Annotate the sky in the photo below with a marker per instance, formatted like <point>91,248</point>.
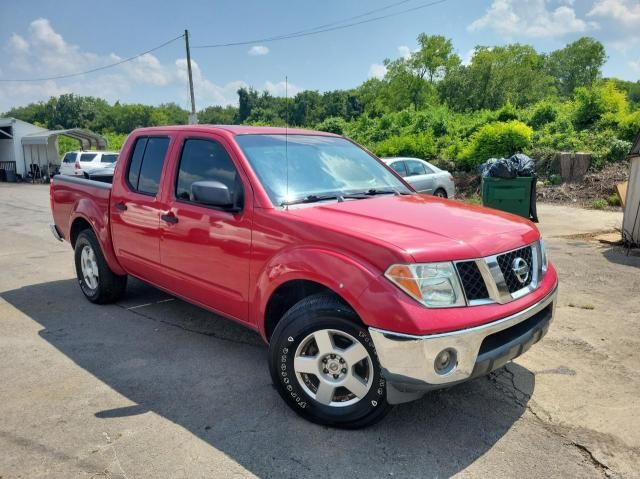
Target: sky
<point>44,38</point>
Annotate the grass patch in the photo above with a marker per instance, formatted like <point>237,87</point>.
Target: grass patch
<point>599,204</point>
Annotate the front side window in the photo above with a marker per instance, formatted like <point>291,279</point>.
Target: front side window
<point>297,166</point>
<point>415,168</point>
<point>86,157</point>
<point>145,167</point>
<point>399,168</point>
<point>205,160</point>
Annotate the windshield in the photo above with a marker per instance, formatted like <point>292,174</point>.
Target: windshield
<point>318,166</point>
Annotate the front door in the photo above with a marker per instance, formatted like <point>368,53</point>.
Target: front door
<point>205,250</point>
<point>136,209</point>
<point>418,177</point>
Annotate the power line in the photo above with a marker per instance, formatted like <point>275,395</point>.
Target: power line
<point>318,30</point>
<point>104,67</point>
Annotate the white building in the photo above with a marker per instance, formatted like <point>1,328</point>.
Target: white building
<point>23,145</point>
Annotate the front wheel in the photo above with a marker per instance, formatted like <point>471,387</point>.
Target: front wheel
<point>325,367</point>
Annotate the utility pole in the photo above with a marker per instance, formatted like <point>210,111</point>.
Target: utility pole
<point>193,117</point>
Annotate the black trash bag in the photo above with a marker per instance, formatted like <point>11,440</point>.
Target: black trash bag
<point>486,166</point>
<point>524,165</point>
<point>499,168</point>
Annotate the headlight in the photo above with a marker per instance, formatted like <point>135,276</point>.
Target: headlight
<point>435,285</point>
<point>545,260</point>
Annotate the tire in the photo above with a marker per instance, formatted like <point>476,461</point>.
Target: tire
<point>310,393</point>
<point>103,287</point>
<point>440,193</point>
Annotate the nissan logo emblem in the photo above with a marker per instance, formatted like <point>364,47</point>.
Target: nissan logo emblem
<point>521,269</point>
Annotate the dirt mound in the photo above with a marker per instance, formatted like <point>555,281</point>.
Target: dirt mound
<point>596,185</point>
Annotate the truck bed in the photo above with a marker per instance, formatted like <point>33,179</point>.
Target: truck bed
<point>73,196</point>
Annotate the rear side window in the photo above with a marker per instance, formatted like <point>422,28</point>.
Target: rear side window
<point>85,157</point>
<point>205,160</point>
<point>146,164</point>
<point>415,168</point>
<point>428,169</point>
<point>109,158</point>
<point>399,168</point>
<point>69,158</point>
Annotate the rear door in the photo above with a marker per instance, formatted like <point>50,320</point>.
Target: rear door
<point>205,250</point>
<point>136,208</point>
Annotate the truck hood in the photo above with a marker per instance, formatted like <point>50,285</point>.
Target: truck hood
<point>425,227</point>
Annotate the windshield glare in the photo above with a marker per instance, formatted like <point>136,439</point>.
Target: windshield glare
<point>317,165</point>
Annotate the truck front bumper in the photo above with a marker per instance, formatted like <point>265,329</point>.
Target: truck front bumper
<point>413,365</point>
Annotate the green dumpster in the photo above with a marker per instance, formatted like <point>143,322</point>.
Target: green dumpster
<point>513,195</point>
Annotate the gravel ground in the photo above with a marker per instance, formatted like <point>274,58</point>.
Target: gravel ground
<point>154,387</point>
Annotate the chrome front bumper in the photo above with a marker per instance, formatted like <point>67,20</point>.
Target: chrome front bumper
<point>410,360</point>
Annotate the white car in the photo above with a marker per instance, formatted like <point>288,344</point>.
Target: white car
<point>423,176</point>
<point>76,163</point>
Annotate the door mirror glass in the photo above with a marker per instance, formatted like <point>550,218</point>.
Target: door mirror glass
<point>212,193</point>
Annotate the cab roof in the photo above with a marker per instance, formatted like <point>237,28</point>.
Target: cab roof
<point>240,130</point>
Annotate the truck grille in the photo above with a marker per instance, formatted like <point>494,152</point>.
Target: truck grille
<point>492,279</point>
<point>472,282</point>
<point>505,261</point>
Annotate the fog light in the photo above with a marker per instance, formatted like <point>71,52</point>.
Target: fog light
<point>446,361</point>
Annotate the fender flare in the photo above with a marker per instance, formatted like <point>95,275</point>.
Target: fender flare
<point>344,275</point>
<point>88,211</point>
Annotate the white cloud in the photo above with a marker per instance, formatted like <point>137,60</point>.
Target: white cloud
<point>376,70</point>
<point>635,65</point>
<point>531,18</point>
<point>43,52</point>
<point>404,51</point>
<point>18,43</point>
<point>625,12</point>
<point>279,88</point>
<point>466,59</point>
<point>257,50</point>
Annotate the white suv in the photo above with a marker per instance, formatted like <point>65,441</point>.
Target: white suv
<point>75,163</point>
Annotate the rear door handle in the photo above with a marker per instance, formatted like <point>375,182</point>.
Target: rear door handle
<point>169,218</point>
<point>120,206</point>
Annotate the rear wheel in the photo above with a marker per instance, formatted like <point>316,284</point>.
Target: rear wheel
<point>440,193</point>
<point>325,367</point>
<point>98,283</point>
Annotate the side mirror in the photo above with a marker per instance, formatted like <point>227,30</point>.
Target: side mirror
<point>212,193</point>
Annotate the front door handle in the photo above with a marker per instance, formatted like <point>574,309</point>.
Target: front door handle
<point>169,218</point>
<point>120,206</point>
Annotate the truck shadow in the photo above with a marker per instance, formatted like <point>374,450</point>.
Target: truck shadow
<point>210,376</point>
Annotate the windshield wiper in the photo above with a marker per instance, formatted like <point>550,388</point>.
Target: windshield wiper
<point>312,199</point>
<point>369,193</point>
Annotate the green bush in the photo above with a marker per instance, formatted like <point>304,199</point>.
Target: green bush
<point>499,139</point>
<point>613,199</point>
<point>591,104</point>
<point>332,124</point>
<point>599,203</point>
<point>419,146</point>
<point>630,126</point>
<point>543,113</point>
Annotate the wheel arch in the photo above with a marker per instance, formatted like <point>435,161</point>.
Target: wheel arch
<point>81,222</point>
<point>298,273</point>
<point>289,293</point>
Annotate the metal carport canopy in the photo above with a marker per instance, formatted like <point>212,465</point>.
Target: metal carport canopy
<point>87,138</point>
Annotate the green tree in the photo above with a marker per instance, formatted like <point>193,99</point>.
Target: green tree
<point>578,64</point>
<point>514,73</point>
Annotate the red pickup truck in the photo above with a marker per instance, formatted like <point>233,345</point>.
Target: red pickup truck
<point>367,293</point>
